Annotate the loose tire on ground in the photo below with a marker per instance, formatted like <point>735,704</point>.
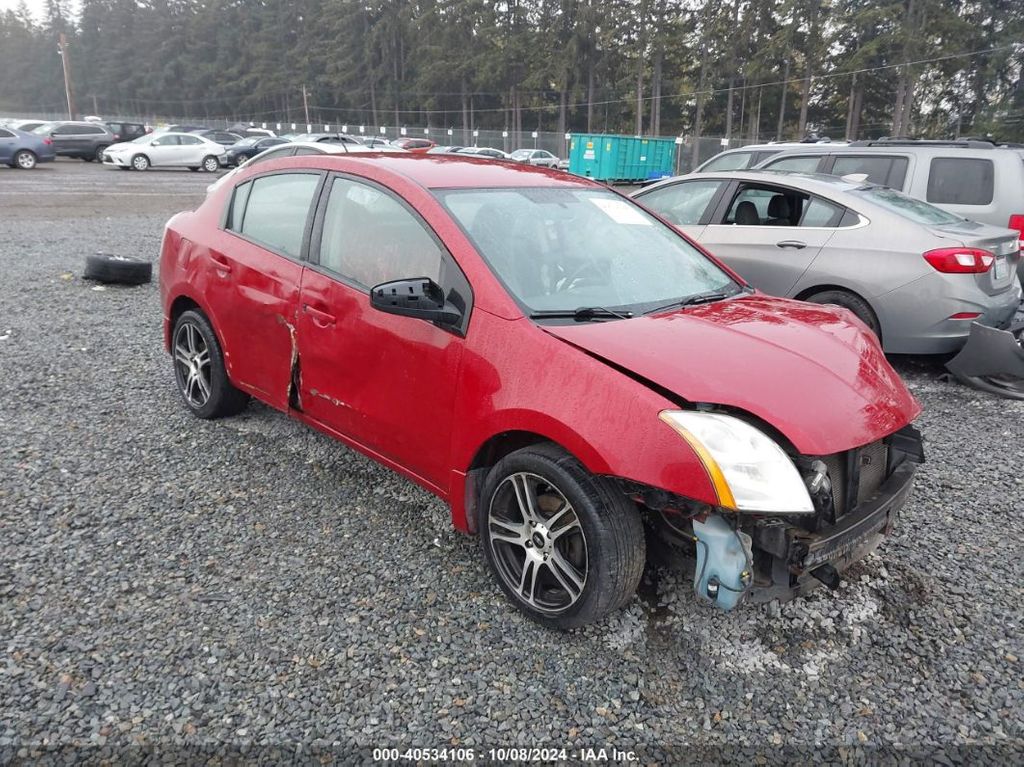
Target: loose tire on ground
<point>850,301</point>
<point>199,369</point>
<point>583,537</point>
<point>108,268</point>
<point>25,160</point>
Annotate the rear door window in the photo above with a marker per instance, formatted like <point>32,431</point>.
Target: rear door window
<point>801,164</point>
<point>683,203</point>
<point>762,205</point>
<point>274,210</point>
<point>960,181</point>
<point>729,161</point>
<point>885,170</point>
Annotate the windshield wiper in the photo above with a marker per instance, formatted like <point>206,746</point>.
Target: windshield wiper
<point>697,298</point>
<point>582,314</point>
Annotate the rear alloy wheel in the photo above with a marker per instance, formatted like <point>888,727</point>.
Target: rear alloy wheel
<point>850,301</point>
<point>99,153</point>
<point>565,546</point>
<point>210,164</point>
<point>25,159</point>
<point>199,369</point>
<point>140,162</point>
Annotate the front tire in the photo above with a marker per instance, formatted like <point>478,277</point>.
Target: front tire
<point>199,369</point>
<point>850,301</point>
<point>565,546</point>
<point>140,162</point>
<point>25,160</point>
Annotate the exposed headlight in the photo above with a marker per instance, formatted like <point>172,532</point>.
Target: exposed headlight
<point>749,471</point>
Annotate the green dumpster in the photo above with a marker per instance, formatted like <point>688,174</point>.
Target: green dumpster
<point>621,158</point>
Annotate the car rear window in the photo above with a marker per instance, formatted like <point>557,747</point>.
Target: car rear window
<point>887,171</point>
<point>906,206</point>
<point>960,181</point>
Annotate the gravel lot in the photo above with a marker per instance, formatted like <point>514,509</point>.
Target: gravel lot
<point>249,583</point>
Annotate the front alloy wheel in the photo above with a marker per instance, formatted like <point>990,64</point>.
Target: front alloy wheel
<point>567,547</point>
<point>538,545</point>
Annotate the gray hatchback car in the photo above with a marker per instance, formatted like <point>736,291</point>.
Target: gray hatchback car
<point>914,274</point>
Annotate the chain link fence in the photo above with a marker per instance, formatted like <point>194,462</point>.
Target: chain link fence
<point>506,140</point>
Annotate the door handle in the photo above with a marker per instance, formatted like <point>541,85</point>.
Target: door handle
<point>320,318</point>
<point>220,263</point>
<point>796,244</point>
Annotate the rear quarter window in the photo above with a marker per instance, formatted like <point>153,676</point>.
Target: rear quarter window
<point>733,161</point>
<point>960,181</point>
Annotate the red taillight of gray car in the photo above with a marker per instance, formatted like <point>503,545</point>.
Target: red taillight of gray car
<point>960,260</point>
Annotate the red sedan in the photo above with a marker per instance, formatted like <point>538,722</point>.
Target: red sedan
<point>555,362</point>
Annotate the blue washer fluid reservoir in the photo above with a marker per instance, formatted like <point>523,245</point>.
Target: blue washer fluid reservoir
<point>724,561</point>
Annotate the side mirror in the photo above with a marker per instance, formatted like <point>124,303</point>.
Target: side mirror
<point>418,297</point>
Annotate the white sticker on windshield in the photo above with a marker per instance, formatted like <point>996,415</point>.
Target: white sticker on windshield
<point>620,211</point>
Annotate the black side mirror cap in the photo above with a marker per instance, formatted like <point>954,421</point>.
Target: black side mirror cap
<point>418,297</point>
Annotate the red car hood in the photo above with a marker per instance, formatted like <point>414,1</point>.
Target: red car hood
<point>805,369</point>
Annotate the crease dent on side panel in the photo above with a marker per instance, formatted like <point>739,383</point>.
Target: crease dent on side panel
<point>333,400</point>
<point>294,377</point>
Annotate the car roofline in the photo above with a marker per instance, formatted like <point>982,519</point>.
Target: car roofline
<point>502,174</point>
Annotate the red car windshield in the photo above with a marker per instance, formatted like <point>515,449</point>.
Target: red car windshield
<point>562,249</point>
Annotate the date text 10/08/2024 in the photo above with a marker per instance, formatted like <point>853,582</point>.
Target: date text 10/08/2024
<point>511,754</point>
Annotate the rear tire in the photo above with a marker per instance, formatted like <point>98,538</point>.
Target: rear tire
<point>850,301</point>
<point>211,164</point>
<point>199,369</point>
<point>99,153</point>
<point>565,546</point>
<point>25,160</point>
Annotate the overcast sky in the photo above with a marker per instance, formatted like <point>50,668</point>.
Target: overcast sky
<point>35,6</point>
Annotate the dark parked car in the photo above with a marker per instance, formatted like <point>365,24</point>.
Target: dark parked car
<point>222,137</point>
<point>84,140</point>
<point>247,148</point>
<point>377,297</point>
<point>23,150</point>
<point>127,131</point>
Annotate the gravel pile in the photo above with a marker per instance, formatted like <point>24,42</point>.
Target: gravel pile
<point>250,584</point>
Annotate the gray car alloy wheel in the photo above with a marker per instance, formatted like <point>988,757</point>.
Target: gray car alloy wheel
<point>537,542</point>
<point>25,160</point>
<point>192,365</point>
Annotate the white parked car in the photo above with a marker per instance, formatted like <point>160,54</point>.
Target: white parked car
<point>485,151</point>
<point>539,157</point>
<point>172,150</point>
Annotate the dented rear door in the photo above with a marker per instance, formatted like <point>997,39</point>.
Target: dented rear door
<point>252,275</point>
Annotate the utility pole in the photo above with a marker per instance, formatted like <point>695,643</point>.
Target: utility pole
<point>67,75</point>
<point>305,103</point>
